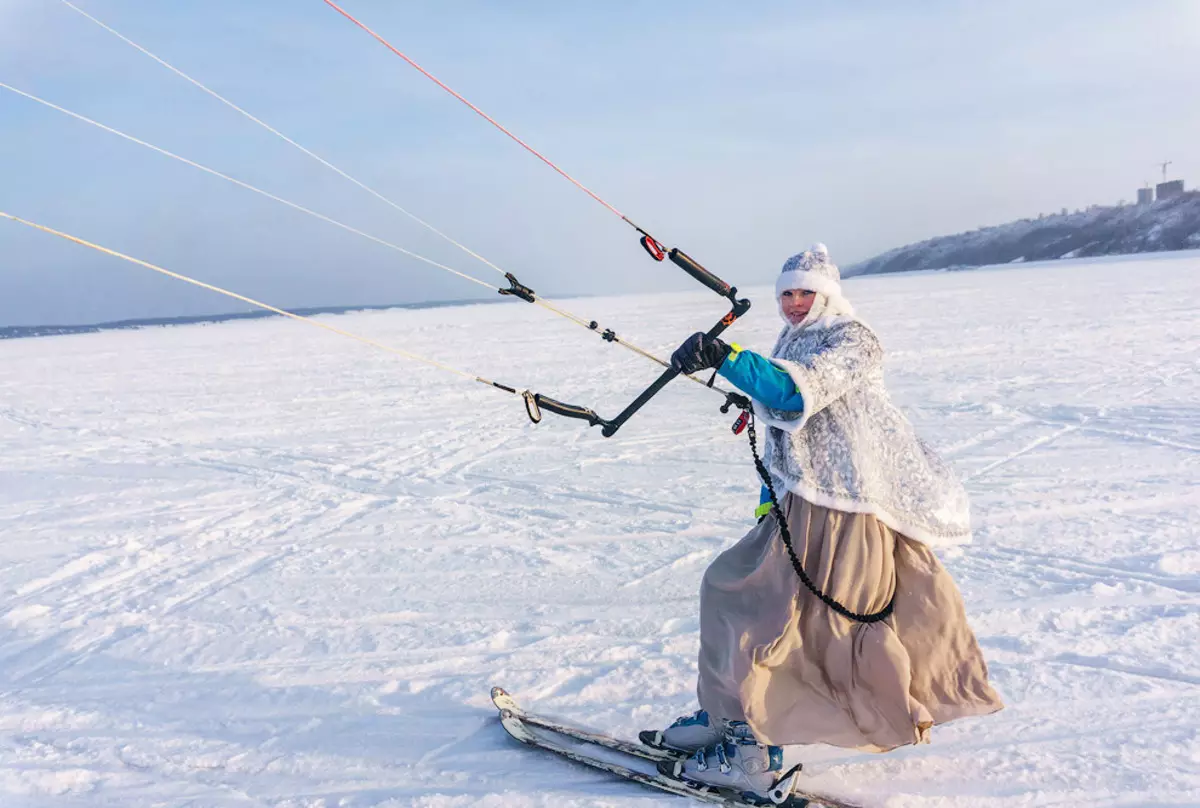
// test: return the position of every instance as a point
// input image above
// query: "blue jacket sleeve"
(763, 381)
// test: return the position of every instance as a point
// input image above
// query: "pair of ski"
(572, 743)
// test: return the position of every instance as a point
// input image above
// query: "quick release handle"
(689, 265)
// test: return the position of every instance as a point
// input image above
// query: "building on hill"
(1166, 190)
(1171, 223)
(1145, 196)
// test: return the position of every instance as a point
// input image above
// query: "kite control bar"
(536, 402)
(740, 307)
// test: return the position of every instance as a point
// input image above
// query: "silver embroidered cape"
(851, 449)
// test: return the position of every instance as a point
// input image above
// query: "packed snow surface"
(256, 564)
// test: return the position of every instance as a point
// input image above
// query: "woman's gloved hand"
(699, 351)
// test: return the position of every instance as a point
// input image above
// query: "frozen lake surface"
(253, 564)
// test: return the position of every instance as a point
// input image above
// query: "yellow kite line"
(253, 302)
(539, 301)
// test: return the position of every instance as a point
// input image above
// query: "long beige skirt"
(774, 655)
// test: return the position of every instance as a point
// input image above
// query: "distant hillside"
(1170, 224)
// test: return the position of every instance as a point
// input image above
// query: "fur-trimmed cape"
(851, 449)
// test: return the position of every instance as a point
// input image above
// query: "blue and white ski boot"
(687, 734)
(739, 763)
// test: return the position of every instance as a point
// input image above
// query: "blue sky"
(739, 132)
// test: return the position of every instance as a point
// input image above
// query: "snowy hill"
(1170, 224)
(257, 564)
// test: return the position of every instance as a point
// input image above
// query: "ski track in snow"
(255, 565)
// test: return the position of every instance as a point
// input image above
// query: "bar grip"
(688, 265)
(568, 410)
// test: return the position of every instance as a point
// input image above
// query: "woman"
(889, 653)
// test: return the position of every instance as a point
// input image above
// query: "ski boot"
(738, 763)
(687, 734)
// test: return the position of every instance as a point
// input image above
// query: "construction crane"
(1164, 168)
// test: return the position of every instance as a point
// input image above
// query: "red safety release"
(657, 251)
(739, 425)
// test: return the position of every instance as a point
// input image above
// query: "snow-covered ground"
(255, 564)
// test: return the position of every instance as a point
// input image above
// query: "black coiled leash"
(746, 421)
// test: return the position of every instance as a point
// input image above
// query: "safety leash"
(745, 421)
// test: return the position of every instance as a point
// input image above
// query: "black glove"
(699, 351)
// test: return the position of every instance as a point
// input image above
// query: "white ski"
(523, 726)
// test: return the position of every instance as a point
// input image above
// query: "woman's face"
(796, 303)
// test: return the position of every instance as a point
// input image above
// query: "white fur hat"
(810, 270)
